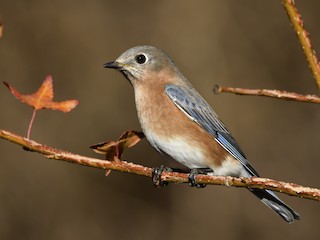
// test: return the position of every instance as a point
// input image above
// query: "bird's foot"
(192, 177)
(156, 176)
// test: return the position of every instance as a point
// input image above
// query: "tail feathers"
(272, 201)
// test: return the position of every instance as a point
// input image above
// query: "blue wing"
(198, 110)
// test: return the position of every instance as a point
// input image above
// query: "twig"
(304, 39)
(1, 27)
(269, 93)
(123, 166)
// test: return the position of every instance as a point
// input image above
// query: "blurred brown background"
(232, 43)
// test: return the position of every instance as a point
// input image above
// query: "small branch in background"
(268, 93)
(1, 28)
(304, 39)
(175, 177)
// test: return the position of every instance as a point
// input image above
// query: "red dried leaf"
(114, 149)
(42, 99)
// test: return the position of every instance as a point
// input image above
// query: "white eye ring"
(141, 58)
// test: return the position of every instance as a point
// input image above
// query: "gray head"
(141, 62)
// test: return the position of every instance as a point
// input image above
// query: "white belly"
(181, 151)
(192, 157)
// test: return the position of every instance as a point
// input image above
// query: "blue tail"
(272, 201)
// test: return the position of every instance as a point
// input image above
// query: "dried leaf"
(42, 99)
(130, 138)
(114, 149)
(109, 149)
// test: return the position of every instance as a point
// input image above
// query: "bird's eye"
(141, 58)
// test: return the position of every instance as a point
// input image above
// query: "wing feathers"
(198, 110)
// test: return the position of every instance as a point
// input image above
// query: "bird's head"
(142, 63)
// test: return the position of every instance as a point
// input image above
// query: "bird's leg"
(192, 177)
(157, 172)
(156, 176)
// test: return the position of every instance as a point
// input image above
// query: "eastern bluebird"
(176, 120)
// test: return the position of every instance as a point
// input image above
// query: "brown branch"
(1, 28)
(304, 39)
(269, 93)
(123, 166)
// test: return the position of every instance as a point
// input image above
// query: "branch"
(1, 28)
(268, 93)
(128, 167)
(304, 39)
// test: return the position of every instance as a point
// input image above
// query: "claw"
(193, 173)
(156, 176)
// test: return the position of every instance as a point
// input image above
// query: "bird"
(178, 122)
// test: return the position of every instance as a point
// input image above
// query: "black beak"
(114, 65)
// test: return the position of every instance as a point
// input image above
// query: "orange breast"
(169, 129)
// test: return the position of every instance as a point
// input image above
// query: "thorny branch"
(304, 39)
(174, 177)
(269, 93)
(310, 53)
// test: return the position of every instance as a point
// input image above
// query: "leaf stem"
(31, 123)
